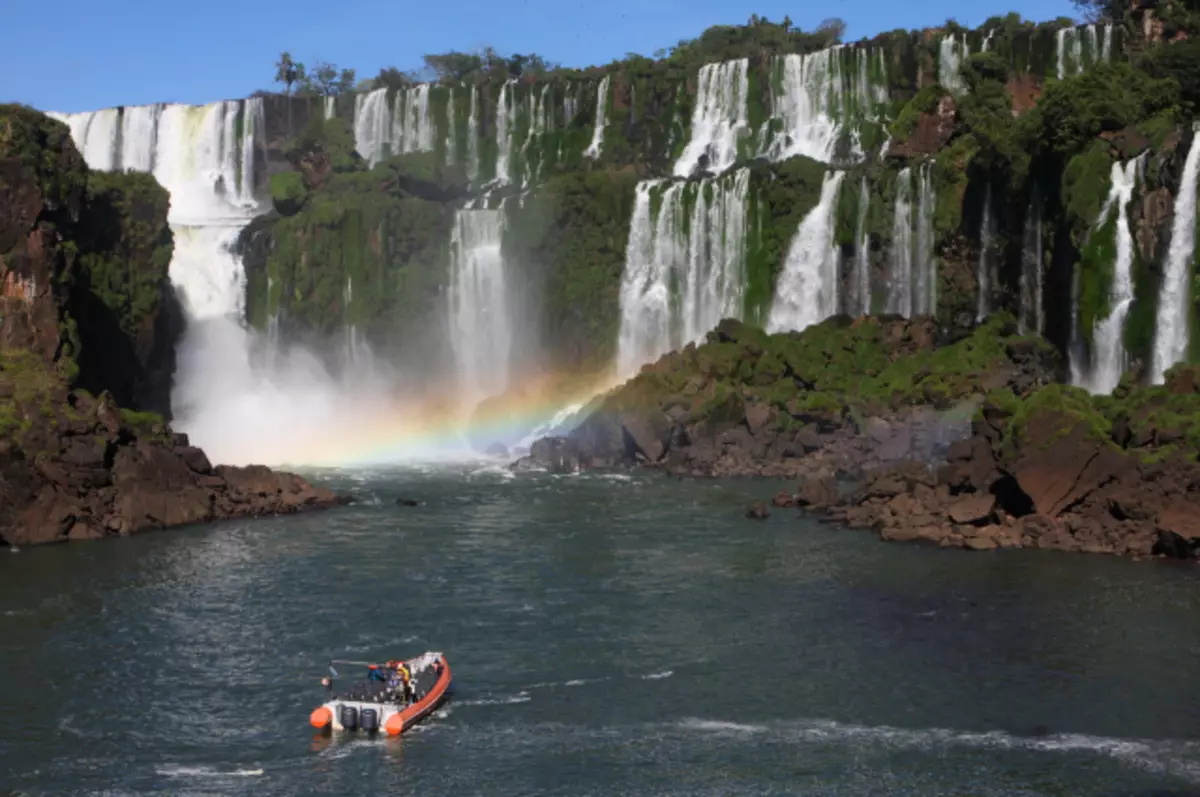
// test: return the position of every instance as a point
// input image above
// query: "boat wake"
(207, 772)
(1176, 757)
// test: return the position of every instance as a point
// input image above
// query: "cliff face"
(87, 311)
(84, 256)
(1009, 131)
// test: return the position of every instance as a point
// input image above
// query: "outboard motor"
(370, 720)
(350, 718)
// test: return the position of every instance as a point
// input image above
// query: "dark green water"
(609, 636)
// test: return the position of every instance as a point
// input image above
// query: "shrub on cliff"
(126, 245)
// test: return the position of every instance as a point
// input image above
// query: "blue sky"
(76, 55)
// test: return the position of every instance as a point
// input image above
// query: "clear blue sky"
(75, 55)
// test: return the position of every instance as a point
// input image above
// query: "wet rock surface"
(89, 471)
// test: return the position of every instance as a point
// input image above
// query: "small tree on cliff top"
(288, 72)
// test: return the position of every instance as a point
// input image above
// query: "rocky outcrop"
(1051, 472)
(837, 399)
(86, 469)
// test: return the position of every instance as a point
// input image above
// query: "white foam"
(658, 676)
(207, 772)
(1179, 757)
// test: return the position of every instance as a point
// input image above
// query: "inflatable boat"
(381, 703)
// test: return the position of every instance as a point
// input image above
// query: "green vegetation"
(836, 369)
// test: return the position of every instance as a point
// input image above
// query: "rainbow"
(350, 430)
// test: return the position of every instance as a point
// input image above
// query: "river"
(609, 635)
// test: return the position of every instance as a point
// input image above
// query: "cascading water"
(925, 266)
(505, 122)
(684, 271)
(473, 136)
(719, 118)
(983, 274)
(816, 101)
(540, 122)
(593, 150)
(210, 160)
(862, 255)
(1079, 47)
(1108, 346)
(952, 51)
(481, 331)
(382, 130)
(1031, 318)
(806, 292)
(899, 294)
(1172, 333)
(452, 155)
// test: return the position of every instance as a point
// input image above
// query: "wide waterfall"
(984, 272)
(818, 103)
(860, 303)
(392, 123)
(481, 331)
(899, 288)
(594, 148)
(1172, 333)
(719, 118)
(1108, 357)
(818, 100)
(1031, 316)
(952, 51)
(806, 292)
(684, 265)
(1081, 47)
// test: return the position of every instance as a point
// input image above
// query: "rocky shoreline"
(969, 443)
(87, 470)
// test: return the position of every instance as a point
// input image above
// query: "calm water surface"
(609, 636)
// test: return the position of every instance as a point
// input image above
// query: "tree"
(345, 82)
(831, 30)
(325, 78)
(287, 71)
(453, 67)
(392, 78)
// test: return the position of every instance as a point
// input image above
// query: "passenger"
(374, 673)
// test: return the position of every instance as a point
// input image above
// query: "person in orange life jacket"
(375, 674)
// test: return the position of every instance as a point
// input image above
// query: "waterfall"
(329, 107)
(899, 295)
(480, 323)
(983, 274)
(925, 290)
(473, 136)
(383, 129)
(806, 292)
(952, 51)
(862, 254)
(1031, 313)
(505, 122)
(1108, 346)
(1173, 327)
(354, 346)
(539, 123)
(452, 156)
(1072, 55)
(593, 150)
(684, 265)
(816, 101)
(210, 159)
(718, 118)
